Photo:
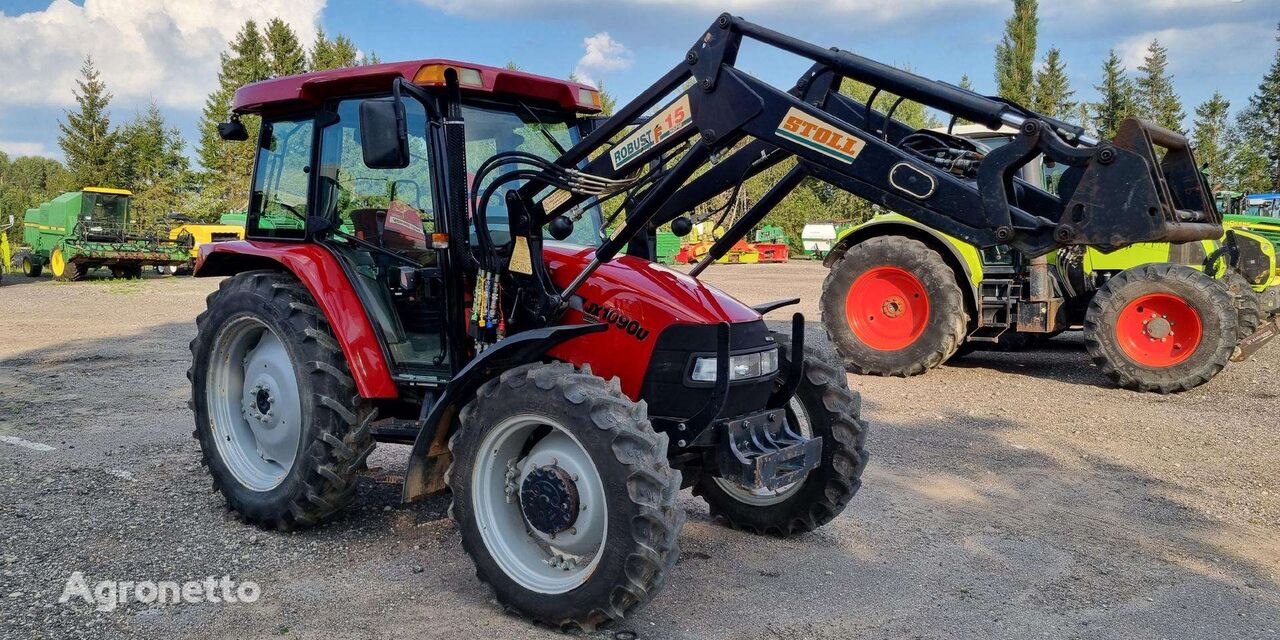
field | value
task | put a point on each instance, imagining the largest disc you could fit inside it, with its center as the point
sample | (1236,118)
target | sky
(167,50)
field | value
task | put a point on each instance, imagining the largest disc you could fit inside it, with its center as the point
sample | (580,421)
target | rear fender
(964,259)
(319,270)
(430,457)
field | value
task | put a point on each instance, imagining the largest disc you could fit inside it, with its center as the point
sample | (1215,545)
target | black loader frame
(1115,193)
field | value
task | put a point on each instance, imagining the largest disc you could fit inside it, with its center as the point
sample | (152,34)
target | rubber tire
(336,438)
(1217,317)
(1246,302)
(944,330)
(23,261)
(834,414)
(643,523)
(127,271)
(73,272)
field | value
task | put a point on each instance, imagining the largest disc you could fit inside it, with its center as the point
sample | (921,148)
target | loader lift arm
(1114,194)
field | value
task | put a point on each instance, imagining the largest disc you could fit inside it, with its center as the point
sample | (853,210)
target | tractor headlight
(741,367)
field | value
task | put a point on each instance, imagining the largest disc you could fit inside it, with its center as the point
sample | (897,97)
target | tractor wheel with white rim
(564,496)
(823,406)
(278,419)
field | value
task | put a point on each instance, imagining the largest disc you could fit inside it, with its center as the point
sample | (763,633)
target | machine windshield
(104,208)
(493,128)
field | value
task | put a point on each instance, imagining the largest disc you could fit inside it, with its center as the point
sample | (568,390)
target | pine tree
(1259,127)
(87,140)
(1157,100)
(1210,138)
(1016,53)
(337,53)
(1117,98)
(285,55)
(156,166)
(367,59)
(1053,88)
(226,165)
(965,82)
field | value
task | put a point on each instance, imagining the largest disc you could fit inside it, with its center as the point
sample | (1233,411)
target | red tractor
(396,284)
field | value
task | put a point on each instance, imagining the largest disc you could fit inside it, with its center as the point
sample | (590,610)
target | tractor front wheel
(891,306)
(64,269)
(278,419)
(1247,304)
(564,497)
(29,265)
(824,407)
(1161,328)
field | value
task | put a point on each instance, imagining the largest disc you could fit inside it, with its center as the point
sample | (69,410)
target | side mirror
(384,140)
(233,131)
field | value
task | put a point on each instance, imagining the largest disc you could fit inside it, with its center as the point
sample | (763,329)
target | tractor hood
(639,300)
(638,287)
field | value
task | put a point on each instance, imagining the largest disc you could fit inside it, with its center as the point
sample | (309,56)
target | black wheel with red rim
(1161,328)
(892,307)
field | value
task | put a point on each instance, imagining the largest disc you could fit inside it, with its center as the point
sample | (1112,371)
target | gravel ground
(1009,496)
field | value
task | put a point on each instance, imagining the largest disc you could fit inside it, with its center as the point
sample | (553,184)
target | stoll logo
(820,136)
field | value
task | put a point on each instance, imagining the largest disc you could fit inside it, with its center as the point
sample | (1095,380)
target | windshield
(493,128)
(104,207)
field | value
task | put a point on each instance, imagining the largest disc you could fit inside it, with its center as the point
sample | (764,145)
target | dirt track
(1009,495)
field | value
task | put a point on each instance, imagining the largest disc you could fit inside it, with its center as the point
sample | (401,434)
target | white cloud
(166,49)
(15,149)
(603,53)
(1211,47)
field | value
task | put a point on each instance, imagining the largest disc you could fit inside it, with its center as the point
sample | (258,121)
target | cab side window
(281,181)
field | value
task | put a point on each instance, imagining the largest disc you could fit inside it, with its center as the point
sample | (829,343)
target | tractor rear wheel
(1161,328)
(891,306)
(1245,299)
(824,407)
(280,424)
(66,270)
(29,265)
(564,496)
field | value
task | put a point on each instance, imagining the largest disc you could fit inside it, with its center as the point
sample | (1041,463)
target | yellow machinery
(195,235)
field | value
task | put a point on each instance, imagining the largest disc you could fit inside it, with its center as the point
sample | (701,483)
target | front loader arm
(1114,193)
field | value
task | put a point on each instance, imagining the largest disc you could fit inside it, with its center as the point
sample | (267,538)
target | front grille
(665,389)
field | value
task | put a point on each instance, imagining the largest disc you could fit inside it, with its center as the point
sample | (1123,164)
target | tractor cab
(104,214)
(314,181)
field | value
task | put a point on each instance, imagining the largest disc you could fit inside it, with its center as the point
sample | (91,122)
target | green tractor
(902,298)
(79,231)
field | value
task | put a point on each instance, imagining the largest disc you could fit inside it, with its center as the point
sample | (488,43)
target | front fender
(430,456)
(319,270)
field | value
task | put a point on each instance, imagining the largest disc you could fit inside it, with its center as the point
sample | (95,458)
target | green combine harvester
(80,231)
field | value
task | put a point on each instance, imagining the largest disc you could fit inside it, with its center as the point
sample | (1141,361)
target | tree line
(148,156)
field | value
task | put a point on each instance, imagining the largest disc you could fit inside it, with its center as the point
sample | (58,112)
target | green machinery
(79,231)
(902,298)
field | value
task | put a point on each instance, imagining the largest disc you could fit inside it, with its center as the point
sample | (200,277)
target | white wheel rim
(255,407)
(548,564)
(760,497)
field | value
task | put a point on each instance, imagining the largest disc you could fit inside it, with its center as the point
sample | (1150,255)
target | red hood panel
(638,299)
(628,282)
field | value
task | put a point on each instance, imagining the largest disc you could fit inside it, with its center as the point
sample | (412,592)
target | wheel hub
(549,499)
(1158,328)
(893,306)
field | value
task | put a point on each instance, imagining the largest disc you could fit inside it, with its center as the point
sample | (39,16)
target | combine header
(564,391)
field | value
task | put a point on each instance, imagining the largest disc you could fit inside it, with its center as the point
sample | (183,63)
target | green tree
(1117,100)
(1157,101)
(965,82)
(225,166)
(1209,136)
(155,165)
(1053,88)
(25,182)
(336,53)
(1259,131)
(87,140)
(1016,53)
(285,56)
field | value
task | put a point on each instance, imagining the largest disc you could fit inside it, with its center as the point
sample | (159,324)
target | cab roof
(108,190)
(309,89)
